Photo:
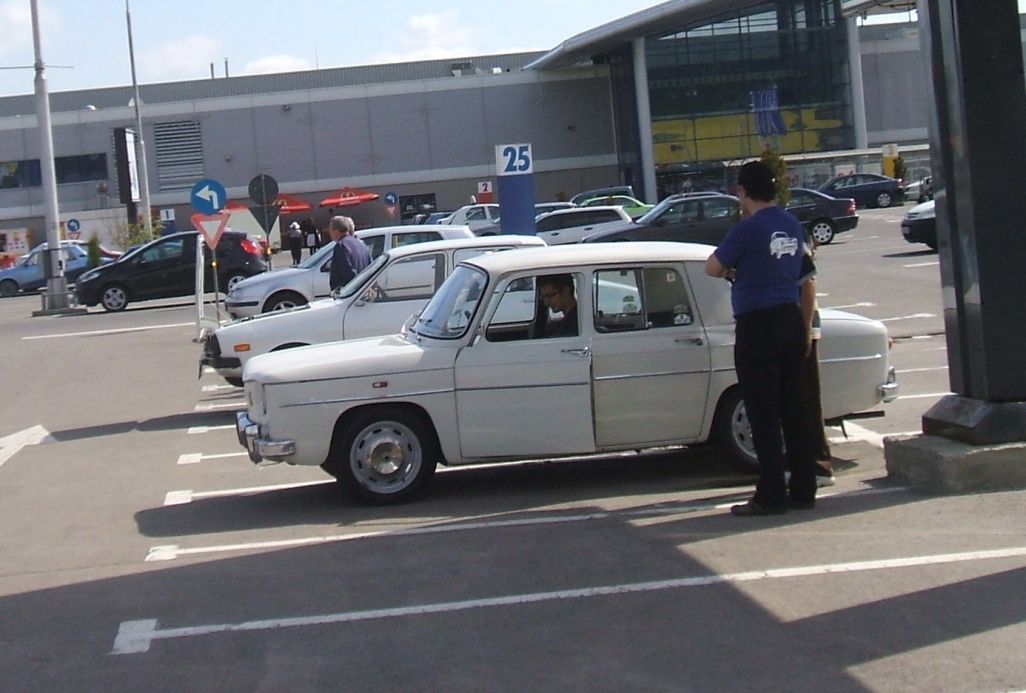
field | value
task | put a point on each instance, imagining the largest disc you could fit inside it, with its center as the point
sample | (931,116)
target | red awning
(349,197)
(287,204)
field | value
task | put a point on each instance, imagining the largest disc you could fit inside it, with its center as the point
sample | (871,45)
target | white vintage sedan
(481,375)
(296,286)
(397,284)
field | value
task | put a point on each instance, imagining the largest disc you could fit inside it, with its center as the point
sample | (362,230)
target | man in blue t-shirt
(762,255)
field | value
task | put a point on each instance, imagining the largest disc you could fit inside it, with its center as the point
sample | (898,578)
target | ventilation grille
(179,149)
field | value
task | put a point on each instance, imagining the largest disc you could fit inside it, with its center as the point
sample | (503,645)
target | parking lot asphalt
(142,550)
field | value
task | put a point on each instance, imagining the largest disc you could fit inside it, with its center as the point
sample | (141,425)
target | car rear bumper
(919,230)
(258,447)
(846,223)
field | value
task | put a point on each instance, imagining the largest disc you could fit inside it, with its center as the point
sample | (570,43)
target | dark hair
(758,181)
(557,281)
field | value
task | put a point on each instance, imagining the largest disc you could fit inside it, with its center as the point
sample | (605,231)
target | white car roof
(571,254)
(574,211)
(447,230)
(457,243)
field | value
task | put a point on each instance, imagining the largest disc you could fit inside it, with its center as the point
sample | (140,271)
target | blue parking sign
(208,196)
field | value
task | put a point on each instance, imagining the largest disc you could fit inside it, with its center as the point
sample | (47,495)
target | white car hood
(356,357)
(278,321)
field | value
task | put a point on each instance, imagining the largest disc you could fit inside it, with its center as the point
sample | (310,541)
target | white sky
(179,40)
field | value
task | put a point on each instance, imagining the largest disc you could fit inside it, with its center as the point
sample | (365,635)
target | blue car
(867,189)
(27,274)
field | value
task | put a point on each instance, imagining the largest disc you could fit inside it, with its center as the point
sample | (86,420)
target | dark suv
(684,218)
(166,267)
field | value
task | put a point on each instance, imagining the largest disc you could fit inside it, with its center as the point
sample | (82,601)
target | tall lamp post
(144,176)
(56,297)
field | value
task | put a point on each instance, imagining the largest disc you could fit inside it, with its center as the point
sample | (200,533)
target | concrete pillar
(648,177)
(858,98)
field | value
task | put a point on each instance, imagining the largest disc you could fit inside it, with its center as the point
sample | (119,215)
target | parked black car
(822,216)
(867,189)
(920,224)
(682,218)
(166,267)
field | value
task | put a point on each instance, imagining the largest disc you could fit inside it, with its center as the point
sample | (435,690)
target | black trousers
(768,355)
(296,248)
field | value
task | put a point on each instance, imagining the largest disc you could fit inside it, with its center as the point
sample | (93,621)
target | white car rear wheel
(733,432)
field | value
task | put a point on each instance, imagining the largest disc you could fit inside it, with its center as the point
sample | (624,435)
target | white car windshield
(357,282)
(452,308)
(317,258)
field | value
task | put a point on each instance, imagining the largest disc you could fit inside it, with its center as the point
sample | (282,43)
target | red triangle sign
(211,226)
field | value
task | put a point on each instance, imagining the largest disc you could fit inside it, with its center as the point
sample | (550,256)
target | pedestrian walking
(295,238)
(350,256)
(311,237)
(762,254)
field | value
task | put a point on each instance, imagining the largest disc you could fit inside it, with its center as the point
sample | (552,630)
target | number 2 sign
(513,160)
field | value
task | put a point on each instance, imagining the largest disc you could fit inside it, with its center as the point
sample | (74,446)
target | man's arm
(715,268)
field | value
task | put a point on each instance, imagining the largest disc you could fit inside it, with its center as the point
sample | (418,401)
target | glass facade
(68,169)
(774,74)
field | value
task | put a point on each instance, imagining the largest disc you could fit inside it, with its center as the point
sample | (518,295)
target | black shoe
(796,504)
(754,509)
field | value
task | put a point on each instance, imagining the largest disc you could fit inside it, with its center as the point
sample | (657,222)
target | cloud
(276,63)
(432,36)
(16,20)
(187,58)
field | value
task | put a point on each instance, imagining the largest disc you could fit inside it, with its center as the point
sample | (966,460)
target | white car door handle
(583,351)
(689,340)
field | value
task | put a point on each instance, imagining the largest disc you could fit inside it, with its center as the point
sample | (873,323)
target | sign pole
(199,287)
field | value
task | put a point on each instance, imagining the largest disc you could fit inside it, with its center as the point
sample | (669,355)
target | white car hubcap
(386,457)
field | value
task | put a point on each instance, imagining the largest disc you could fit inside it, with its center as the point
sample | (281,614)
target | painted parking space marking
(215,388)
(860,304)
(197,457)
(913,316)
(136,637)
(221,405)
(935,263)
(922,370)
(194,430)
(170,552)
(187,495)
(11,444)
(926,395)
(120,330)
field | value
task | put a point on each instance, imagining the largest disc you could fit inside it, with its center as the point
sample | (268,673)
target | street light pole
(144,176)
(56,296)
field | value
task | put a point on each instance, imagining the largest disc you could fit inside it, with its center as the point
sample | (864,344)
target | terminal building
(662,99)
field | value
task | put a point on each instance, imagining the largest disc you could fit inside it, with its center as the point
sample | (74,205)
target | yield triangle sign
(211,226)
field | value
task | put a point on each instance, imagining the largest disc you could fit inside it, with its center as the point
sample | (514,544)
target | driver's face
(555,299)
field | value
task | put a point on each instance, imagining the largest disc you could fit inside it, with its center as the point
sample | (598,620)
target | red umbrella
(349,197)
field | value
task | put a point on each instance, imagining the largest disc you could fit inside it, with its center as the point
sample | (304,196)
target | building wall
(434,135)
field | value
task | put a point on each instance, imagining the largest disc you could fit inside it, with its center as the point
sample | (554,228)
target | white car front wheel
(733,432)
(384,455)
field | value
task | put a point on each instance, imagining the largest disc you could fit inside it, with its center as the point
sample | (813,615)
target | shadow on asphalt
(160,423)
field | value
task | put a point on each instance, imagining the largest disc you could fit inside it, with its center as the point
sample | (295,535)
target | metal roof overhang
(663,18)
(671,16)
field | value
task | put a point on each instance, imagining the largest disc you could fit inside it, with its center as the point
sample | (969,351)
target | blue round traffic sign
(73,225)
(391,199)
(208,196)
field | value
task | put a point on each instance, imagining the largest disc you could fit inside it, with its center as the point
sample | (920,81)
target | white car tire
(733,432)
(383,455)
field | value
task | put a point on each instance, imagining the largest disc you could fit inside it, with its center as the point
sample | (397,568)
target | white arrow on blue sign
(209,196)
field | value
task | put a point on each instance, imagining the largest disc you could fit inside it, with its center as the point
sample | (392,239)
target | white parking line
(91,333)
(193,430)
(922,370)
(222,405)
(187,496)
(215,388)
(197,457)
(927,395)
(170,552)
(914,316)
(136,637)
(935,263)
(861,304)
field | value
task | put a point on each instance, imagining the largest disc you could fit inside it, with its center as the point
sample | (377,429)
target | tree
(778,166)
(93,250)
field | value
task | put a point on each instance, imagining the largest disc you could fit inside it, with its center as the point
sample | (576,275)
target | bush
(778,166)
(93,250)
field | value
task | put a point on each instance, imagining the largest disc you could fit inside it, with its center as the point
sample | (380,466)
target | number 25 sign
(513,160)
